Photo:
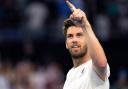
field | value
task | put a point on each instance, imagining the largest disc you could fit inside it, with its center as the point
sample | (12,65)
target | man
(90,70)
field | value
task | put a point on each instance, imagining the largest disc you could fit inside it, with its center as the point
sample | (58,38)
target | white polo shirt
(84,77)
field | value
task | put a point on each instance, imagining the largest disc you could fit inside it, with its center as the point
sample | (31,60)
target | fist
(78,14)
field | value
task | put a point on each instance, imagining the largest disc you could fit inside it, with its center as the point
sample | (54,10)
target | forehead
(74,29)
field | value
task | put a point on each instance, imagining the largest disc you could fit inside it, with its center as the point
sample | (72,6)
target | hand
(77,13)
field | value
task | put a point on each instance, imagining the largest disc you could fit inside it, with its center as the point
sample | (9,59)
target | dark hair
(71,22)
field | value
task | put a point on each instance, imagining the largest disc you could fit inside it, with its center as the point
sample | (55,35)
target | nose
(75,39)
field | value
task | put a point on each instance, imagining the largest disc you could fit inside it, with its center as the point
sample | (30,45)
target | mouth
(75,46)
(75,49)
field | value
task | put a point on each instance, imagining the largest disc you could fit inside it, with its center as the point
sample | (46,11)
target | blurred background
(32,46)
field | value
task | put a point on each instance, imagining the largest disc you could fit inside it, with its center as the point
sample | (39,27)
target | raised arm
(95,49)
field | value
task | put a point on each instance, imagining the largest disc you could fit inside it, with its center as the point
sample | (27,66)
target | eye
(79,34)
(69,36)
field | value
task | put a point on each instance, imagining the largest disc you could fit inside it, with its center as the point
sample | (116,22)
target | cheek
(84,43)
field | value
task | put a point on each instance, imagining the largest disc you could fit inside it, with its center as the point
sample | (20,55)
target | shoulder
(70,72)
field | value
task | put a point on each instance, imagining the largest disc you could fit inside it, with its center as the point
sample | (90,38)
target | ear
(66,45)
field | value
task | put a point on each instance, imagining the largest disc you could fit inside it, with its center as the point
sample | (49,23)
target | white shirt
(84,77)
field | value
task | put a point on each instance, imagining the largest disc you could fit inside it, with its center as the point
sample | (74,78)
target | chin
(77,56)
(77,53)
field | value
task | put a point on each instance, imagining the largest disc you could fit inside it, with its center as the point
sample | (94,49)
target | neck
(77,62)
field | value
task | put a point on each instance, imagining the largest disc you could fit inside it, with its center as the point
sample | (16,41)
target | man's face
(76,42)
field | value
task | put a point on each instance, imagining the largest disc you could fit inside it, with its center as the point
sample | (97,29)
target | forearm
(95,49)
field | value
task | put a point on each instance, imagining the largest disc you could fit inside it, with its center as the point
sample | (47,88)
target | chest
(77,80)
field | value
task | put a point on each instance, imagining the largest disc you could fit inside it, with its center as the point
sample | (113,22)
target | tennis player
(90,68)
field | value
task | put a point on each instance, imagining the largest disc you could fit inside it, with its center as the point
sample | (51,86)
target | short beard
(80,55)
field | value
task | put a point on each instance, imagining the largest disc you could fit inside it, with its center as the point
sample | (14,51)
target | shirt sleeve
(96,80)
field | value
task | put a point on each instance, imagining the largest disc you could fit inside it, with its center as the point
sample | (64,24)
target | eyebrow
(80,33)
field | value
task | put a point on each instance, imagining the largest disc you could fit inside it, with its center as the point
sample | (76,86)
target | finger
(71,16)
(71,6)
(76,12)
(77,15)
